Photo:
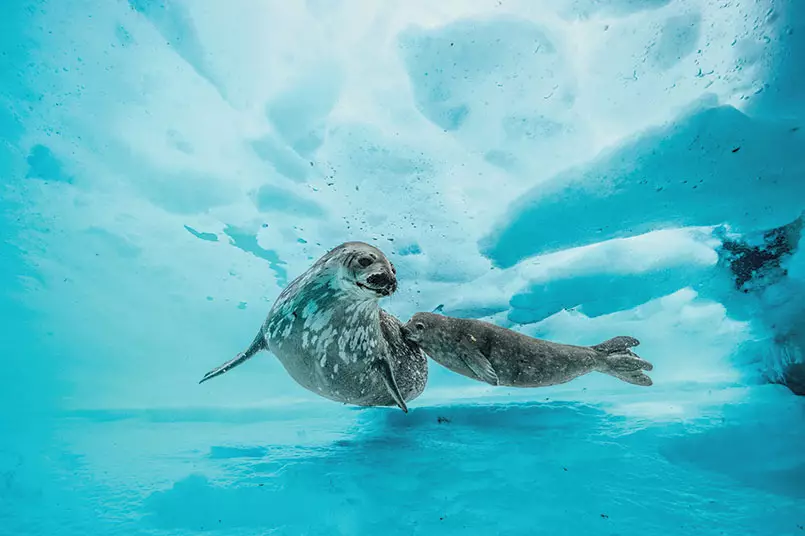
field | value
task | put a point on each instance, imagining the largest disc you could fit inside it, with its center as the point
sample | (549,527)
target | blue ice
(570,169)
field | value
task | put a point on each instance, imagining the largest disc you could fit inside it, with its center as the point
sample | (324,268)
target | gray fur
(500,356)
(330,334)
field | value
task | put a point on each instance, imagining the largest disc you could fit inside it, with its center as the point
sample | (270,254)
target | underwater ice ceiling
(570,168)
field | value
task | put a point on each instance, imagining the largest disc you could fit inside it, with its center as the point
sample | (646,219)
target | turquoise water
(547,467)
(571,169)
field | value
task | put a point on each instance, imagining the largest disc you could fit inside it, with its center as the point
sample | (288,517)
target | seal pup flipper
(617,344)
(259,343)
(478,364)
(634,377)
(617,360)
(384,368)
(626,362)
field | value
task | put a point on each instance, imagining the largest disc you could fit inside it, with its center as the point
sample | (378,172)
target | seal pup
(330,334)
(500,356)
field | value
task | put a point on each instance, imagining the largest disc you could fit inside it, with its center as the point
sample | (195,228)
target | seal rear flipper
(258,344)
(479,365)
(616,344)
(384,368)
(625,362)
(627,367)
(633,377)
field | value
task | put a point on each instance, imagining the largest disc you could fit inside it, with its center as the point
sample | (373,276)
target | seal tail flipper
(617,344)
(258,344)
(617,360)
(384,368)
(634,377)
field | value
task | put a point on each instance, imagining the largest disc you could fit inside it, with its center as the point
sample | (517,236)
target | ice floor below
(505,467)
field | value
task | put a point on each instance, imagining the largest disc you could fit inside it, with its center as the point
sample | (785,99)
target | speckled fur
(328,333)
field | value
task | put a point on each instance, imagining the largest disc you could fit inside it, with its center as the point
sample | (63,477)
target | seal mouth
(381,291)
(407,333)
(382,283)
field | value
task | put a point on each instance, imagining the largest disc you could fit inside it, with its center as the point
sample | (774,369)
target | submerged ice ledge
(712,166)
(555,455)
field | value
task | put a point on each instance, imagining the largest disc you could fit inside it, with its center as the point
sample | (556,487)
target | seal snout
(380,283)
(406,333)
(384,283)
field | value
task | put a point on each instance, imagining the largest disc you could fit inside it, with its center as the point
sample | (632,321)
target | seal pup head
(420,325)
(364,271)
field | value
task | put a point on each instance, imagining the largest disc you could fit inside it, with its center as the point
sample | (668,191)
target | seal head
(365,270)
(420,325)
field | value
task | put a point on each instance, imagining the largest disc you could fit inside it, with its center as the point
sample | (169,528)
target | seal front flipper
(258,344)
(382,366)
(477,362)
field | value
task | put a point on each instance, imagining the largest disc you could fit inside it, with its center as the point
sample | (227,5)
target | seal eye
(420,326)
(365,261)
(393,270)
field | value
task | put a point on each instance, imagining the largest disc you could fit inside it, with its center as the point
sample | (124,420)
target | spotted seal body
(330,334)
(500,356)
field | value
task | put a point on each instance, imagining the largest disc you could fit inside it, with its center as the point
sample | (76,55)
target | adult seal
(330,334)
(500,356)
